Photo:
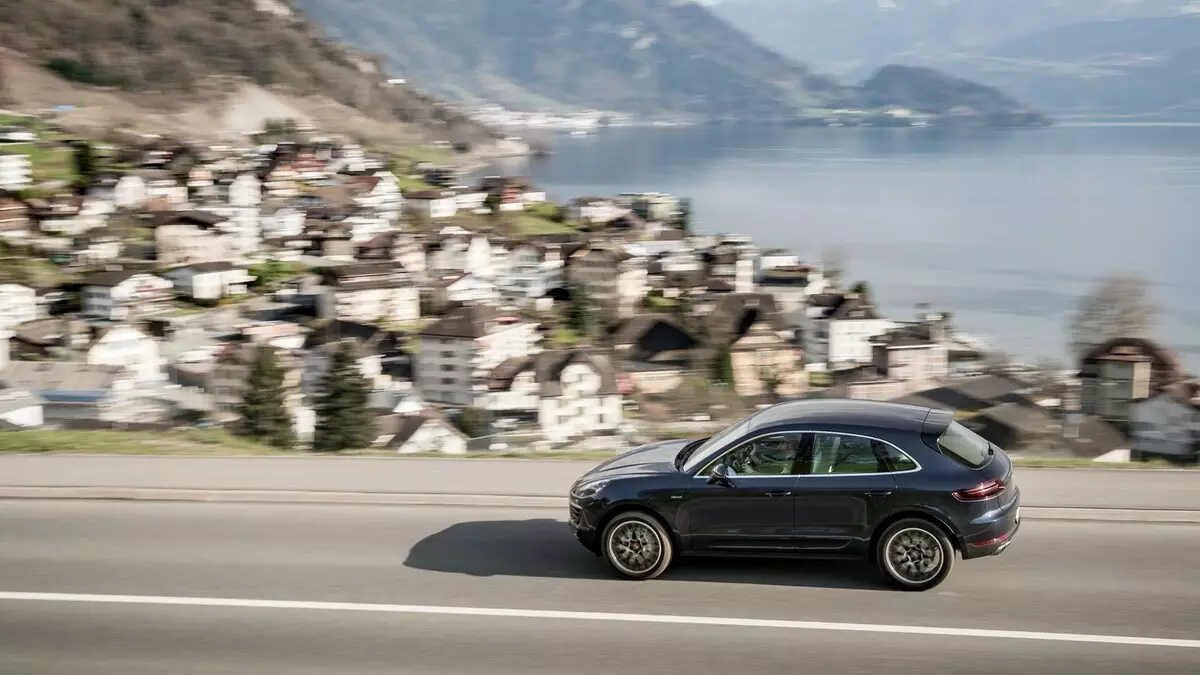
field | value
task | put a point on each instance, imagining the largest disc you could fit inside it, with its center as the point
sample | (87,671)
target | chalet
(433,203)
(211,280)
(370,291)
(572,394)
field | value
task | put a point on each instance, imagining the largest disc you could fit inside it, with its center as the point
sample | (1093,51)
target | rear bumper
(992,533)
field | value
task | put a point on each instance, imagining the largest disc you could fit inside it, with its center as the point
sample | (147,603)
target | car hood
(653,458)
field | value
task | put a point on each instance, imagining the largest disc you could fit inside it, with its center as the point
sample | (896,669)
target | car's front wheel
(914,554)
(637,546)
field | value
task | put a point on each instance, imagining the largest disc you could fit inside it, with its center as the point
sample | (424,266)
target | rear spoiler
(936,422)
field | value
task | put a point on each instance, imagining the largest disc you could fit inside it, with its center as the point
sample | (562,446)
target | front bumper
(583,523)
(994,532)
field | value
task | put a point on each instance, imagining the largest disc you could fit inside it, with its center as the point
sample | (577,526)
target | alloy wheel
(914,555)
(635,547)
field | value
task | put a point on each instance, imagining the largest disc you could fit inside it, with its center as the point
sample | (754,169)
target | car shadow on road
(546,548)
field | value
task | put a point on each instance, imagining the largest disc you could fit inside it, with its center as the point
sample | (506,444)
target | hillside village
(140,283)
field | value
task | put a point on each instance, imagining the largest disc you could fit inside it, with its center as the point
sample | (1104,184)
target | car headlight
(589,488)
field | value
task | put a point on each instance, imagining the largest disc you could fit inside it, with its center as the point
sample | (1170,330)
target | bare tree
(833,264)
(1118,306)
(5,94)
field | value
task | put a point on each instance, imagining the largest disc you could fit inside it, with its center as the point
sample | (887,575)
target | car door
(753,511)
(843,488)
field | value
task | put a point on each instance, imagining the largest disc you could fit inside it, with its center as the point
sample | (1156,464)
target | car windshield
(732,431)
(964,446)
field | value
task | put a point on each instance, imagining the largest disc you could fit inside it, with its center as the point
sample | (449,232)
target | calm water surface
(1003,228)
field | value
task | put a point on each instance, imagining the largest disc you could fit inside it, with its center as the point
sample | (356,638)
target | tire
(928,561)
(652,550)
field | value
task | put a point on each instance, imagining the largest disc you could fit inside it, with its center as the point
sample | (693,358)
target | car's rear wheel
(637,546)
(914,554)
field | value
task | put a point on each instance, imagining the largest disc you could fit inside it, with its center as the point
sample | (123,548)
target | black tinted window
(773,455)
(893,458)
(964,446)
(837,453)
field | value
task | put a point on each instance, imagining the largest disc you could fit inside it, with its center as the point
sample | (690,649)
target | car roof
(845,412)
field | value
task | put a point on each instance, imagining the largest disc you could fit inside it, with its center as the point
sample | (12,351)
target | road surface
(495,591)
(1094,488)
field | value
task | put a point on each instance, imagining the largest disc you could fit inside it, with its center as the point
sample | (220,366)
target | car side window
(773,455)
(842,454)
(893,457)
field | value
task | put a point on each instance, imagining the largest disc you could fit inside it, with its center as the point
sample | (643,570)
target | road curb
(503,501)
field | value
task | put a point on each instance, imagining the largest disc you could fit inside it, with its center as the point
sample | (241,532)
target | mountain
(954,99)
(210,67)
(647,57)
(1073,57)
(1147,68)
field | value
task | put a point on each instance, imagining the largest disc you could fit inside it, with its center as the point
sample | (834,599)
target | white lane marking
(595,616)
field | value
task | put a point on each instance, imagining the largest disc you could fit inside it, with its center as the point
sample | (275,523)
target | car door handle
(878,493)
(779,493)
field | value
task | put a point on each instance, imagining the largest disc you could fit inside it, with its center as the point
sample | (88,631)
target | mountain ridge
(176,64)
(1089,58)
(645,57)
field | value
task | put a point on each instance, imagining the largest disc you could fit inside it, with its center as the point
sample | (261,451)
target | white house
(17,135)
(456,353)
(1167,425)
(532,271)
(165,187)
(573,394)
(791,285)
(127,347)
(459,251)
(368,292)
(840,335)
(79,391)
(379,192)
(612,276)
(118,295)
(423,432)
(245,190)
(210,281)
(16,173)
(434,203)
(20,409)
(366,226)
(595,209)
(130,192)
(281,221)
(18,304)
(466,288)
(470,199)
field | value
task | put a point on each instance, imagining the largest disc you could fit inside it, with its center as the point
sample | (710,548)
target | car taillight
(985,490)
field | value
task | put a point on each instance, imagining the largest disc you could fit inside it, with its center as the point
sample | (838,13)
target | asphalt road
(1095,488)
(462,590)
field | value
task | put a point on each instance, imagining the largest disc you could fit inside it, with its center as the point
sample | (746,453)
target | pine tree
(683,219)
(580,316)
(723,366)
(85,163)
(344,421)
(263,411)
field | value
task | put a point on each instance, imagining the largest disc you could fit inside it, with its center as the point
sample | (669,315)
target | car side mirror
(720,476)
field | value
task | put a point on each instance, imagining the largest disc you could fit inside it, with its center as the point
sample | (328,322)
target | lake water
(1004,228)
